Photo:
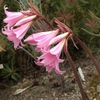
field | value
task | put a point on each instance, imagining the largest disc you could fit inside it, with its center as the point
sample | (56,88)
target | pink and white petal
(41,39)
(37,49)
(48,58)
(57,70)
(7,32)
(45,41)
(49,61)
(25,20)
(45,49)
(21,31)
(4,31)
(8,13)
(49,68)
(13,17)
(56,50)
(14,40)
(30,40)
(16,15)
(11,20)
(42,35)
(60,60)
(38,63)
(22,45)
(16,43)
(42,49)
(34,38)
(58,38)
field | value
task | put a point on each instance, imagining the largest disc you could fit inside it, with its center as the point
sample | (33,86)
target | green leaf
(7,76)
(91,33)
(14,77)
(95,17)
(16,74)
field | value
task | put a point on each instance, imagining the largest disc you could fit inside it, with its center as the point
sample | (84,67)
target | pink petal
(30,40)
(56,50)
(50,61)
(58,38)
(49,68)
(41,39)
(12,17)
(11,13)
(38,63)
(21,31)
(25,20)
(42,35)
(57,70)
(11,37)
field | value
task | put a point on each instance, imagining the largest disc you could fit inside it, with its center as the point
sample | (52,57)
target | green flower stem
(75,73)
(89,53)
(28,53)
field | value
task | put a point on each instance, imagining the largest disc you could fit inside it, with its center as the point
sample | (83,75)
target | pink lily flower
(19,32)
(51,61)
(18,24)
(41,39)
(18,18)
(12,17)
(12,37)
(51,58)
(25,20)
(24,26)
(16,34)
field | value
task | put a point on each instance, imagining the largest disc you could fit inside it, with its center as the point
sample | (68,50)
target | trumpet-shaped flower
(15,35)
(11,37)
(17,25)
(42,39)
(12,17)
(51,58)
(25,20)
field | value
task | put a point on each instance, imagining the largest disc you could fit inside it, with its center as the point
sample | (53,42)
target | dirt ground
(50,86)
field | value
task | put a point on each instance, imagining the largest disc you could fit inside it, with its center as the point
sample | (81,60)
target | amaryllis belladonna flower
(51,58)
(17,26)
(41,39)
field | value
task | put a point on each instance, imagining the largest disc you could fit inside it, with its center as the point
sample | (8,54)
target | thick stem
(75,73)
(89,53)
(48,23)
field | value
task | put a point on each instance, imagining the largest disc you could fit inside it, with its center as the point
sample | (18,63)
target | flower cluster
(18,24)
(49,43)
(51,56)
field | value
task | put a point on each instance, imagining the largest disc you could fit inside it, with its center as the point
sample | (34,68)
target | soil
(51,86)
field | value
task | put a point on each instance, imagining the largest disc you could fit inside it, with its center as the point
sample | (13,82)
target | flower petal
(12,17)
(58,38)
(57,70)
(21,31)
(25,20)
(30,40)
(58,48)
(41,39)
(49,68)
